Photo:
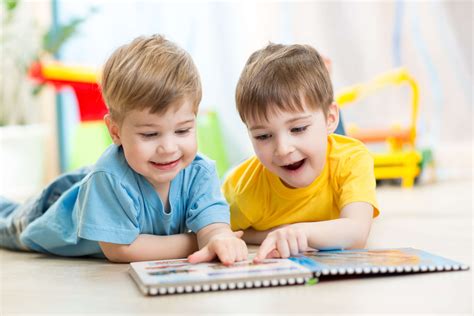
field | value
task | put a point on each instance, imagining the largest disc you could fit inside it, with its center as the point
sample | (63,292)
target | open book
(179,276)
(375,261)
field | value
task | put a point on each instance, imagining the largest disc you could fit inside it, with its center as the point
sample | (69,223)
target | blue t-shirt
(115,204)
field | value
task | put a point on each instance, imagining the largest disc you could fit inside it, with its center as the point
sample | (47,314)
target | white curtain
(432,39)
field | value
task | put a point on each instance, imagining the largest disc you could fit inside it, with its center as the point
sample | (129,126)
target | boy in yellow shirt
(306,187)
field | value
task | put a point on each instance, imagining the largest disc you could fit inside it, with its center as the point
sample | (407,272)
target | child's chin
(292,184)
(300,183)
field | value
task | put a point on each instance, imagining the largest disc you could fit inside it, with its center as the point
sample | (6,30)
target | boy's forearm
(342,233)
(152,247)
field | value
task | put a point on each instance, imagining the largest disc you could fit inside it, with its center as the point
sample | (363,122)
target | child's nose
(167,145)
(283,147)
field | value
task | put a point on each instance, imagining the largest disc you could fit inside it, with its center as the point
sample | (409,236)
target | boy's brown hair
(279,78)
(149,73)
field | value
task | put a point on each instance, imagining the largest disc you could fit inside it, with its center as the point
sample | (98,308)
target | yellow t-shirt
(260,200)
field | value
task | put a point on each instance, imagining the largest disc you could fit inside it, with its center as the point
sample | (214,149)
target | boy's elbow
(116,253)
(361,235)
(356,243)
(114,258)
(359,243)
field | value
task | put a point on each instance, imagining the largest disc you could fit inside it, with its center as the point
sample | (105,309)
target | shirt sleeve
(105,211)
(206,202)
(357,181)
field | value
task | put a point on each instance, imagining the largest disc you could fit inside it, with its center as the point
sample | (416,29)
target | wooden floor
(433,217)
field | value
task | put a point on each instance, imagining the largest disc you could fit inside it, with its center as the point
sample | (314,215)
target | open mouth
(295,165)
(165,165)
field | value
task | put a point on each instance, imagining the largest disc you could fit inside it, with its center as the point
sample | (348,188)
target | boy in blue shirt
(150,188)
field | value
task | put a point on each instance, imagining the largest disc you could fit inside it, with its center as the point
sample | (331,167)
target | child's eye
(299,129)
(183,131)
(263,137)
(148,135)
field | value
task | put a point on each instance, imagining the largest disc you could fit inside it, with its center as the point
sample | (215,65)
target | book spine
(390,269)
(207,287)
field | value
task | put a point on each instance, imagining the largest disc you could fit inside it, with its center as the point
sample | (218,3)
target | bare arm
(349,231)
(151,247)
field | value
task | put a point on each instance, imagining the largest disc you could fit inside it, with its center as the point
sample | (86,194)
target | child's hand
(283,243)
(229,248)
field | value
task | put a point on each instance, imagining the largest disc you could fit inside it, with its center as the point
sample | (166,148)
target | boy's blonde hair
(149,73)
(279,78)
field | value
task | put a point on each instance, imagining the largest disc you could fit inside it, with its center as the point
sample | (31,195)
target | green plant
(23,41)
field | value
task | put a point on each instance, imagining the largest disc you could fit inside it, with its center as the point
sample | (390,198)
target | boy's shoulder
(112,161)
(201,169)
(200,174)
(347,154)
(113,166)
(245,175)
(202,163)
(341,147)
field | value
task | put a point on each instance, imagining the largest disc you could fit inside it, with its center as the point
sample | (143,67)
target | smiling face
(293,145)
(157,146)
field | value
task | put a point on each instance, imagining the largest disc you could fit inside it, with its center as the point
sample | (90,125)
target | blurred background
(45,130)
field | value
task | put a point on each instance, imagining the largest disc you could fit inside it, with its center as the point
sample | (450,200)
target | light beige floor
(436,218)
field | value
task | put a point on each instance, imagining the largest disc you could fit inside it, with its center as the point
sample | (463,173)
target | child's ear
(114,129)
(332,118)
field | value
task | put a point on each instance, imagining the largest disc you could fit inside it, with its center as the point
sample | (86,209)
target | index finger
(225,255)
(265,248)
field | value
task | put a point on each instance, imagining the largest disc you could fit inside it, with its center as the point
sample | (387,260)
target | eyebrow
(156,125)
(287,122)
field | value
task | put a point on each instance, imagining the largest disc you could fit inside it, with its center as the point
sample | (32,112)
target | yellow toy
(402,160)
